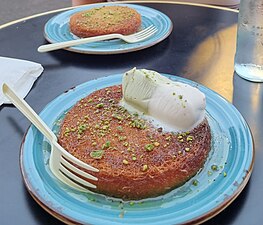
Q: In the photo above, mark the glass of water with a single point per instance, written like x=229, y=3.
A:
x=249, y=49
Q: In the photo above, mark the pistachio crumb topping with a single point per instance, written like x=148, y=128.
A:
x=106, y=145
x=67, y=130
x=144, y=167
x=126, y=144
x=125, y=162
x=137, y=123
x=149, y=147
x=82, y=128
x=120, y=128
x=97, y=154
x=189, y=138
x=214, y=167
x=100, y=105
x=195, y=182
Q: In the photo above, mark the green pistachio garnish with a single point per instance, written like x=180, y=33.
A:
x=214, y=167
x=116, y=116
x=195, y=182
x=144, y=167
x=97, y=154
x=82, y=128
x=67, y=130
x=119, y=128
x=100, y=105
x=140, y=124
x=106, y=145
x=168, y=138
x=149, y=147
x=136, y=114
x=189, y=138
x=105, y=127
x=122, y=138
x=125, y=144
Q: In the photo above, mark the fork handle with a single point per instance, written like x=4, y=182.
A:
x=28, y=112
x=65, y=44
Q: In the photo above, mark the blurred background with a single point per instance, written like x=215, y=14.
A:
x=16, y=9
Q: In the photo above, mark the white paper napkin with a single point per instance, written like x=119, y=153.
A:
x=19, y=75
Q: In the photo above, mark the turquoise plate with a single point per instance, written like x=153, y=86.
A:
x=57, y=30
x=232, y=151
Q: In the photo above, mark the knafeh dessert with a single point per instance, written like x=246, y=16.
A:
x=146, y=136
x=105, y=20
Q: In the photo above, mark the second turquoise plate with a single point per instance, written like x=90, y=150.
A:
x=57, y=30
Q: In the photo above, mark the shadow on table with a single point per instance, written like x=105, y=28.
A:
x=248, y=99
x=116, y=61
x=228, y=215
x=40, y=215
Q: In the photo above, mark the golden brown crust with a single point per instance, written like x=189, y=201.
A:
x=138, y=160
x=105, y=20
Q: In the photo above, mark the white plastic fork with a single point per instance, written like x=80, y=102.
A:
x=132, y=38
x=60, y=162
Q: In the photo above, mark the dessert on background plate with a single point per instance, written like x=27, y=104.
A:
x=105, y=20
x=146, y=136
x=57, y=29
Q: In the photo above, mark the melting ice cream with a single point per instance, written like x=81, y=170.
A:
x=173, y=105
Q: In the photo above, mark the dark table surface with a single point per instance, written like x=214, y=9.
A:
x=201, y=48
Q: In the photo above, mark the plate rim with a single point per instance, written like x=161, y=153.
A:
x=112, y=52
x=196, y=220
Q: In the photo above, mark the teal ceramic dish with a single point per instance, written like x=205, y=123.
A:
x=57, y=30
x=194, y=202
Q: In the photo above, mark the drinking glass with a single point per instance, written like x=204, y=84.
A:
x=249, y=48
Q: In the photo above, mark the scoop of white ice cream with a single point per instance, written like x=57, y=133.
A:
x=173, y=105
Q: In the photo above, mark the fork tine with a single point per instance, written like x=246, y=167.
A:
x=75, y=178
x=143, y=37
x=63, y=178
x=77, y=170
x=73, y=159
x=142, y=31
x=146, y=33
